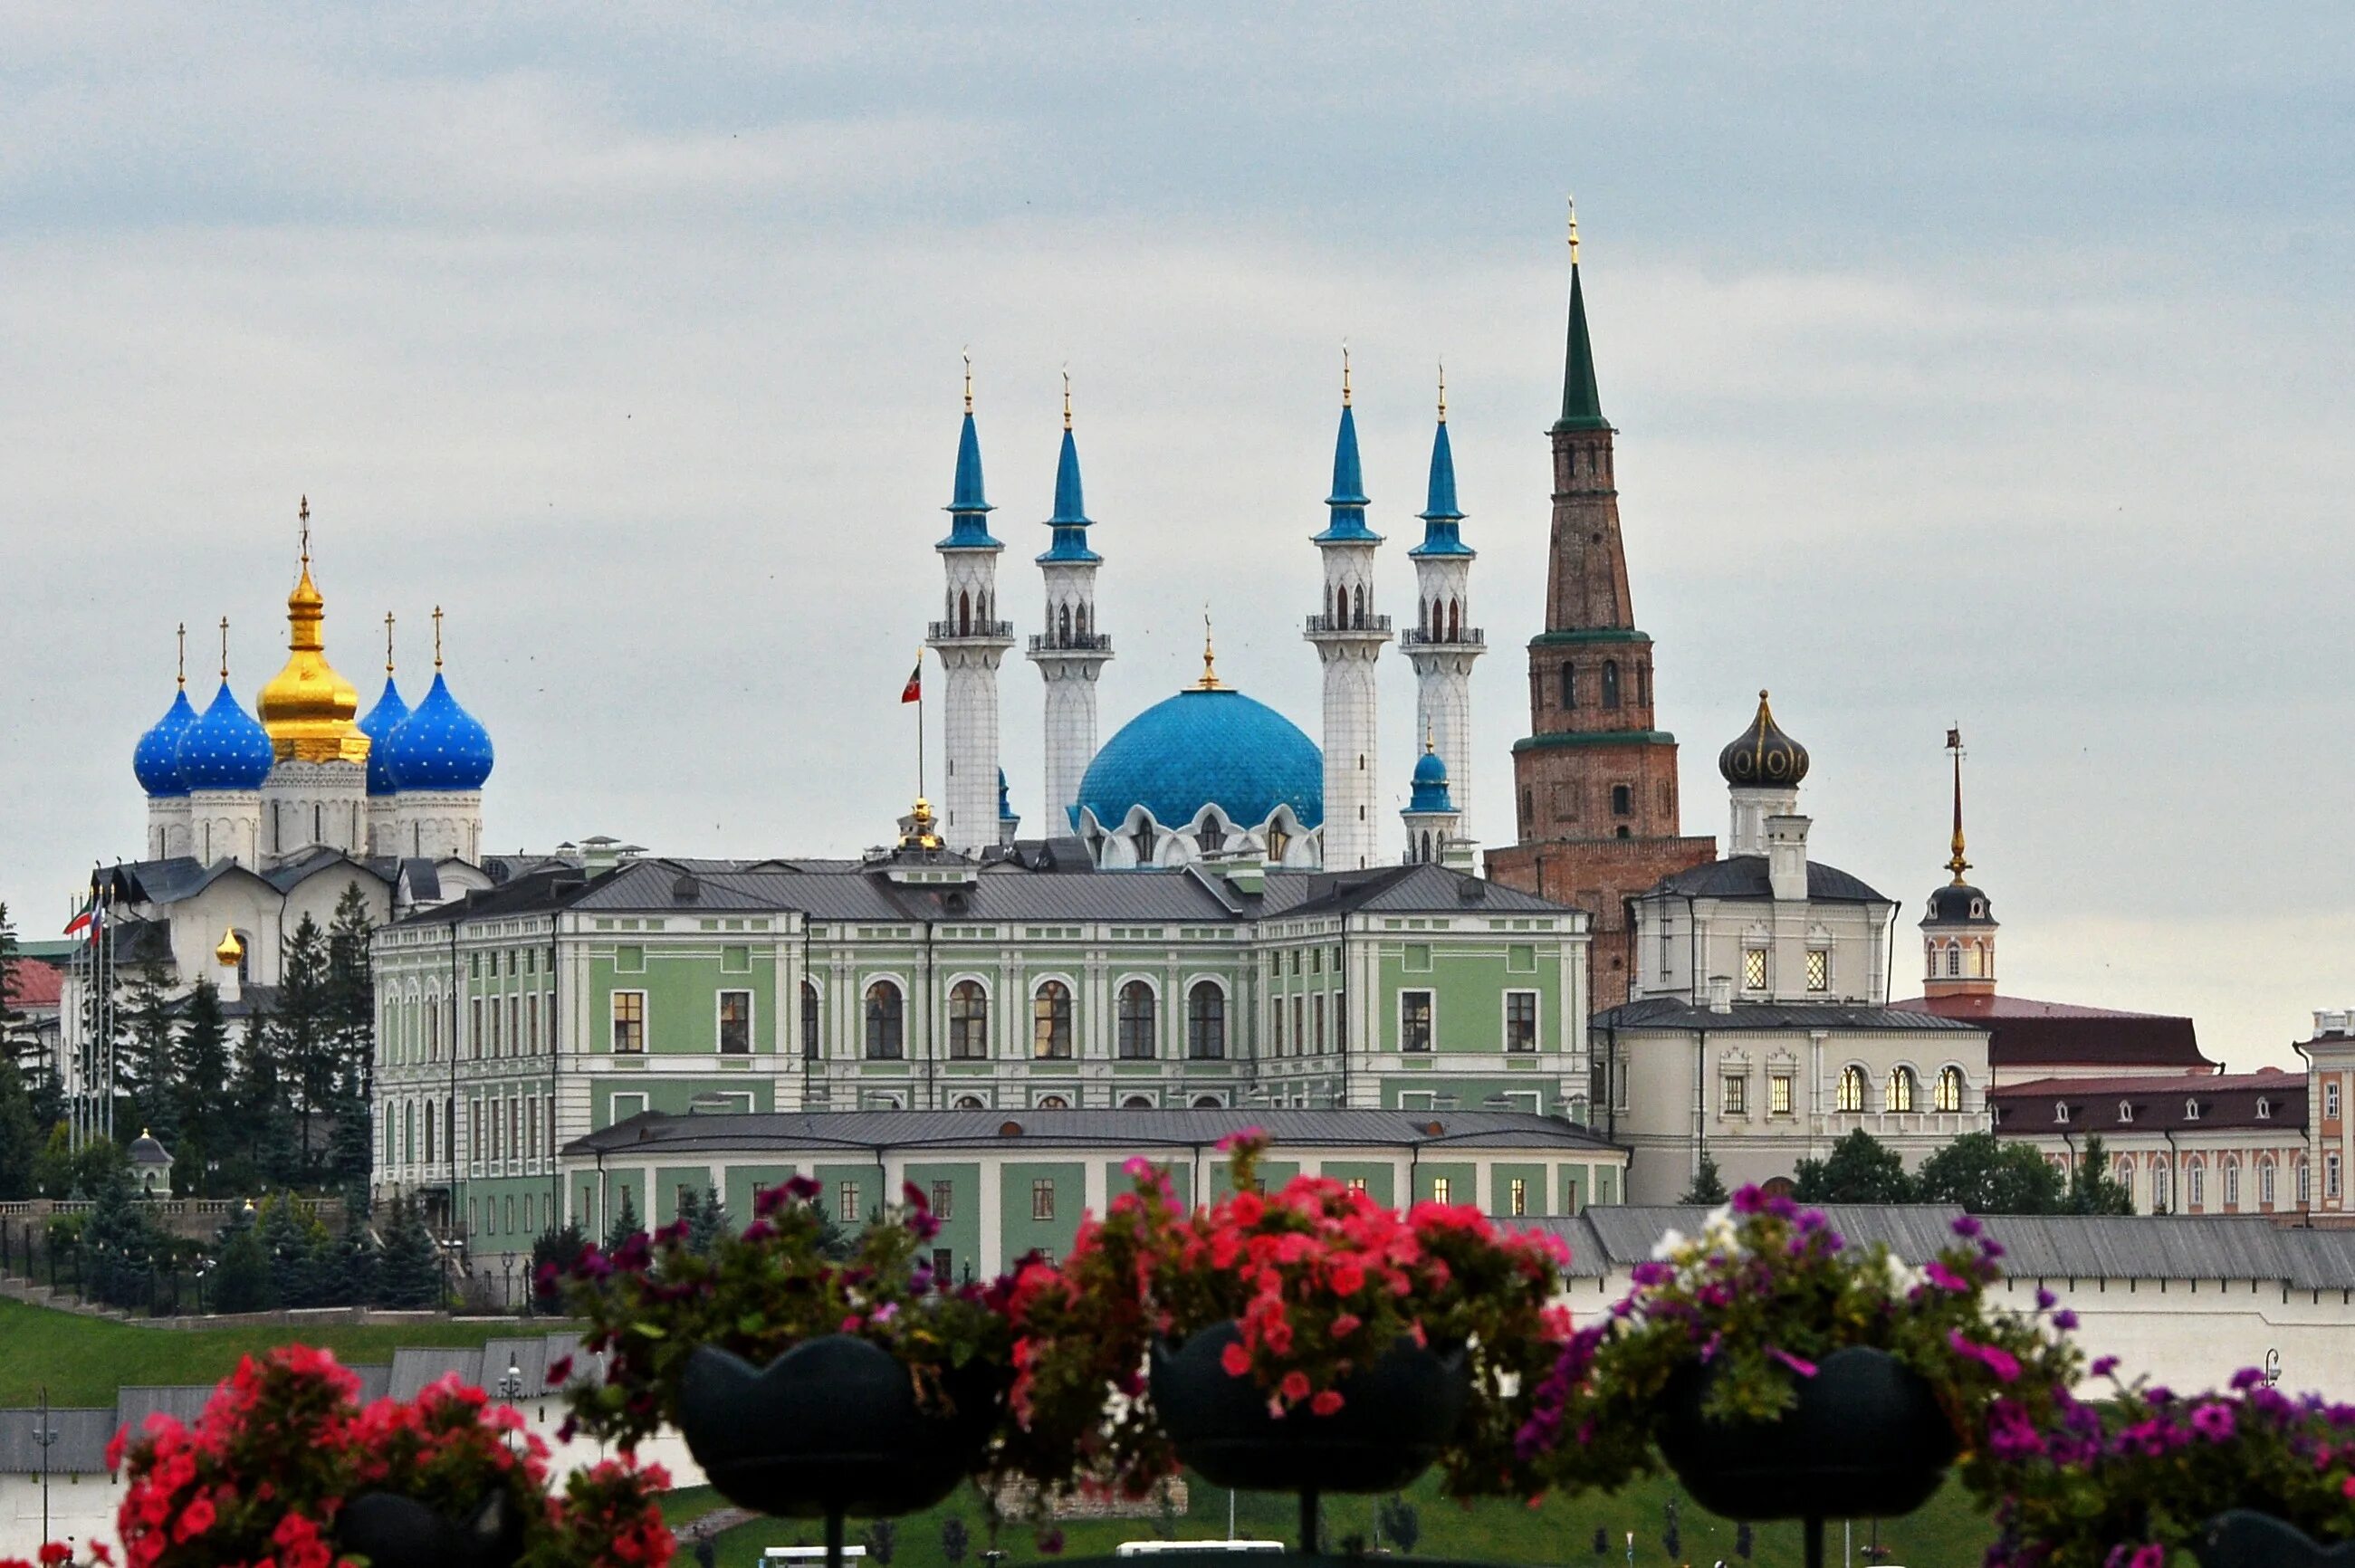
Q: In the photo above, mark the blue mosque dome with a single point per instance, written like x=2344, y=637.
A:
x=226, y=748
x=440, y=746
x=1430, y=784
x=1206, y=747
x=388, y=714
x=156, y=759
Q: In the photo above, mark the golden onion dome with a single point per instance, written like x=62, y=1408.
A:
x=308, y=709
x=230, y=951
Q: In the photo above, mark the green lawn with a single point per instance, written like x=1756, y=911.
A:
x=84, y=1360
x=1949, y=1533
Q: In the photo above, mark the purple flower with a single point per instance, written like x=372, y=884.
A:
x=1805, y=1369
x=1749, y=1200
x=2213, y=1421
x=803, y=1188
x=2106, y=1366
x=923, y=1225
x=1968, y=1225
x=2065, y=1320
x=2248, y=1378
x=1944, y=1278
x=2045, y=1300
x=2005, y=1366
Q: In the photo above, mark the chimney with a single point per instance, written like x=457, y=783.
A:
x=1786, y=858
x=1721, y=993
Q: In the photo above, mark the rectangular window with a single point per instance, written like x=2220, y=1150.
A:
x=1042, y=1198
x=1754, y=968
x=942, y=1265
x=1734, y=1094
x=474, y=1026
x=1439, y=1190
x=1357, y=1184
x=1820, y=968
x=1340, y=1020
x=943, y=1200
x=1299, y=1034
x=474, y=1130
x=2330, y=1101
x=434, y=1030
x=1518, y=1196
x=1315, y=961
x=515, y=1128
x=629, y=1022
x=1778, y=1093
x=1520, y=1020
x=1414, y=1020
x=846, y=1202
x=531, y=1024
x=2330, y=1177
x=1279, y=1026
x=511, y=1214
x=1319, y=1013
x=735, y=1023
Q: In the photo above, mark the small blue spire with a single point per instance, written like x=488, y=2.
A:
x=1430, y=785
x=1440, y=512
x=1071, y=521
x=1349, y=500
x=968, y=508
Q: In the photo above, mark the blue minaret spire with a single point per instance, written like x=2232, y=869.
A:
x=1444, y=642
x=970, y=639
x=1348, y=632
x=1071, y=521
x=1070, y=650
x=1440, y=512
x=968, y=507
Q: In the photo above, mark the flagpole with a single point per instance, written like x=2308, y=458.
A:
x=920, y=720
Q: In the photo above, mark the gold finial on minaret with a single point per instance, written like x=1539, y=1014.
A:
x=302, y=516
x=1066, y=396
x=437, y=636
x=388, y=642
x=1574, y=231
x=1442, y=392
x=1345, y=372
x=1430, y=740
x=1957, y=865
x=224, y=647
x=968, y=379
x=183, y=656
x=1209, y=681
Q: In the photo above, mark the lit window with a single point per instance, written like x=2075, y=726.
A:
x=1950, y=1089
x=1051, y=1022
x=629, y=1022
x=1357, y=1184
x=1778, y=1093
x=1414, y=1020
x=1901, y=1089
x=1518, y=1196
x=1439, y=1190
x=735, y=1023
x=1042, y=1198
x=1520, y=1020
x=1820, y=968
x=1754, y=968
x=968, y=1021
x=1851, y=1089
x=1734, y=1094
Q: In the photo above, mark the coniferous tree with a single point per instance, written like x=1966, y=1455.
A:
x=120, y=1246
x=1860, y=1170
x=146, y=1066
x=707, y=1222
x=359, y=1255
x=561, y=1247
x=263, y=1150
x=20, y=1137
x=625, y=1224
x=351, y=1010
x=204, y=1092
x=409, y=1272
x=2092, y=1188
x=242, y=1282
x=19, y=1042
x=1708, y=1186
x=304, y=1043
x=287, y=1243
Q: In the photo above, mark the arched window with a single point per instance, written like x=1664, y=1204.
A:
x=2162, y=1188
x=886, y=1038
x=1211, y=836
x=1053, y=1103
x=1206, y=1021
x=1209, y=1102
x=1851, y=1089
x=1426, y=848
x=1527, y=800
x=1950, y=1089
x=1360, y=619
x=2265, y=1183
x=2232, y=1184
x=1623, y=801
x=1137, y=1103
x=968, y=1021
x=968, y=1103
x=2195, y=1186
x=965, y=615
x=809, y=1020
x=1064, y=626
x=1051, y=1022
x=1454, y=621
x=1901, y=1089
x=1954, y=959
x=1136, y=1021
x=1610, y=683
x=1143, y=837
x=2301, y=1181
x=1569, y=683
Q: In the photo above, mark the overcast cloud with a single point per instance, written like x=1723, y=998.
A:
x=1974, y=364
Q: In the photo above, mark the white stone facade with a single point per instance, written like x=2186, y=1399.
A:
x=225, y=824
x=435, y=825
x=1348, y=636
x=970, y=641
x=1070, y=654
x=167, y=826
x=308, y=805
x=1442, y=648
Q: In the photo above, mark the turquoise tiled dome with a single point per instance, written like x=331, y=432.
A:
x=156, y=759
x=388, y=714
x=226, y=748
x=1430, y=784
x=1207, y=748
x=441, y=747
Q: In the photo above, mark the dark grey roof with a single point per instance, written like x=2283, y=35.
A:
x=184, y=1403
x=422, y=878
x=376, y=1378
x=753, y=1132
x=1674, y=1012
x=1745, y=877
x=1418, y=889
x=80, y=1449
x=2036, y=1246
x=414, y=1367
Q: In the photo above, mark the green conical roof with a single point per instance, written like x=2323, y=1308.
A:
x=1582, y=405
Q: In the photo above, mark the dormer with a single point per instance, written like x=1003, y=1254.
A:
x=2126, y=1113
x=2061, y=1110
x=2264, y=1109
x=2190, y=1110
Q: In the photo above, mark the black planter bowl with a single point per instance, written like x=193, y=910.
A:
x=1395, y=1416
x=829, y=1428
x=394, y=1531
x=2245, y=1538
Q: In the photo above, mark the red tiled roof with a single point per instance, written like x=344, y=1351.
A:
x=2025, y=1033
x=33, y=984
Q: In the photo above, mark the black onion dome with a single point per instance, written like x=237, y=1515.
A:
x=1959, y=903
x=1762, y=756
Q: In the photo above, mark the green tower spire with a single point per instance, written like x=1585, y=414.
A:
x=1582, y=404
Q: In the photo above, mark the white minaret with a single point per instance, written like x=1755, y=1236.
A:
x=1349, y=637
x=1070, y=653
x=1444, y=642
x=970, y=640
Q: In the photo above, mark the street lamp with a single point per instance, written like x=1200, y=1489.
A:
x=44, y=1434
x=510, y=1389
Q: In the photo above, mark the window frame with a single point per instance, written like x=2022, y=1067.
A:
x=1781, y=1093
x=1820, y=971
x=1949, y=1076
x=1055, y=1043
x=884, y=1037
x=1042, y=1198
x=719, y=1019
x=1430, y=1023
x=1733, y=1092
x=1137, y=1020
x=1757, y=970
x=1513, y=1046
x=1902, y=1092
x=968, y=1019
x=1855, y=1087
x=1206, y=1029
x=639, y=1024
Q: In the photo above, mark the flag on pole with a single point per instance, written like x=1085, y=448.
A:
x=81, y=921
x=914, y=690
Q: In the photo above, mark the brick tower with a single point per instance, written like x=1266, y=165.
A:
x=1595, y=782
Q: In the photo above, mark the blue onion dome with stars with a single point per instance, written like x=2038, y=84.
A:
x=156, y=761
x=1206, y=747
x=440, y=747
x=378, y=725
x=226, y=748
x=1430, y=784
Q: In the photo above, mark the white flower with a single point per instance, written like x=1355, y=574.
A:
x=1671, y=1243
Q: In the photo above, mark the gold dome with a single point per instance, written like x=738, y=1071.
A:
x=307, y=707
x=230, y=951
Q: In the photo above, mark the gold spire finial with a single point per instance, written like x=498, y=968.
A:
x=1209, y=681
x=968, y=379
x=302, y=516
x=1574, y=231
x=1430, y=740
x=1345, y=372
x=437, y=636
x=1957, y=864
x=388, y=642
x=1066, y=396
x=1442, y=392
x=183, y=656
x=224, y=647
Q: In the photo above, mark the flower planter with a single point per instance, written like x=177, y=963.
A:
x=1867, y=1440
x=831, y=1428
x=2247, y=1539
x=1396, y=1414
x=394, y=1531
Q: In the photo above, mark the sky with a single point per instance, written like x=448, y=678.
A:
x=1982, y=365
